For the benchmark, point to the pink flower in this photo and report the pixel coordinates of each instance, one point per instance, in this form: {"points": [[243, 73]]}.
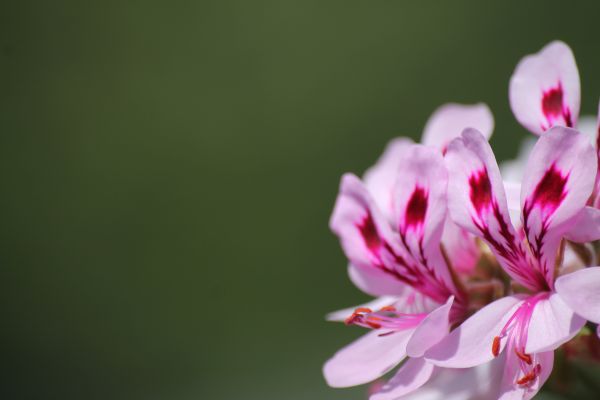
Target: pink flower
{"points": [[519, 332], [390, 228]]}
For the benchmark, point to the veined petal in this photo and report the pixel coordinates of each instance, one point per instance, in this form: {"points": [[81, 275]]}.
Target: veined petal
{"points": [[420, 197], [552, 324], [412, 375], [366, 359], [449, 120], [545, 90], [366, 237], [555, 189], [430, 331], [581, 291], [471, 343], [420, 212], [381, 177], [477, 202]]}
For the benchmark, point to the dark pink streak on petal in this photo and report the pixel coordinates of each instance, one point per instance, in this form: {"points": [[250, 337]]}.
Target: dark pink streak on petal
{"points": [[550, 191], [416, 208], [554, 108], [481, 191], [369, 233]]}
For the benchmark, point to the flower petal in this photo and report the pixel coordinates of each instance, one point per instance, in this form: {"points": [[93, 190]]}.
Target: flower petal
{"points": [[376, 282], [366, 237], [587, 227], [477, 202], [555, 189], [420, 196], [381, 177], [420, 212], [366, 359], [471, 343], [510, 390], [477, 383], [581, 291], [552, 324], [545, 90], [412, 375], [430, 331], [449, 120], [460, 247]]}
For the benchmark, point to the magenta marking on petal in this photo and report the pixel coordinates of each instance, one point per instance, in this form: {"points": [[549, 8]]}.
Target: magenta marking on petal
{"points": [[554, 108], [481, 191], [369, 233], [550, 190], [416, 208]]}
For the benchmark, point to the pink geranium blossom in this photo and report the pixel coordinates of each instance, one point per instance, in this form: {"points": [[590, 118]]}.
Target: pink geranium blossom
{"points": [[390, 228], [519, 331]]}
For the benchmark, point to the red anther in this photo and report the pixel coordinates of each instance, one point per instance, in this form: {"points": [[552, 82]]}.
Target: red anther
{"points": [[373, 325], [388, 308], [527, 378], [350, 320], [496, 346], [523, 356], [360, 310]]}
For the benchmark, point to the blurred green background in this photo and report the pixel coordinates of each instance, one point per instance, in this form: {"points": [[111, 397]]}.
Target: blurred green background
{"points": [[168, 170]]}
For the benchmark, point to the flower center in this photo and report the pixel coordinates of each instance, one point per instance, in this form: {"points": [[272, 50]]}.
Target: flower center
{"points": [[515, 331]]}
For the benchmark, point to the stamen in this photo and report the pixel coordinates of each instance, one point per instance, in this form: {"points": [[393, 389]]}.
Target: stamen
{"points": [[388, 308], [496, 346], [523, 356], [530, 376]]}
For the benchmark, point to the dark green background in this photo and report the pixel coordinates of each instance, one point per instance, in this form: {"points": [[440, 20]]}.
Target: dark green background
{"points": [[168, 170]]}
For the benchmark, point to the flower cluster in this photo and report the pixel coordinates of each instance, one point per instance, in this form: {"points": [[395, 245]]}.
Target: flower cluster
{"points": [[479, 271]]}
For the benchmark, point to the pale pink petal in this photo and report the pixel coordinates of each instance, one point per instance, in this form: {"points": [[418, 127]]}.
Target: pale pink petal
{"points": [[420, 197], [448, 122], [376, 282], [376, 304], [581, 291], [513, 196], [587, 226], [366, 359], [477, 202], [430, 331], [381, 177], [552, 324], [412, 375], [477, 383], [471, 343], [366, 237], [545, 90], [510, 390], [556, 187], [420, 212], [460, 247]]}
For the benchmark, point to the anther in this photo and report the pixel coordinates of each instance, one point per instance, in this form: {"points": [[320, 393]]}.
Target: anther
{"points": [[496, 346], [523, 356], [388, 308]]}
